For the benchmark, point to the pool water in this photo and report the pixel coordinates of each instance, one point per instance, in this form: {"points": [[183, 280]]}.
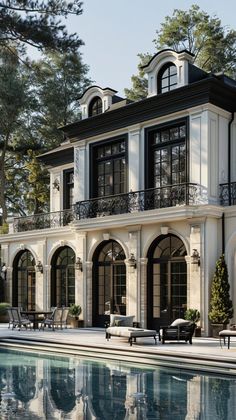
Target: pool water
{"points": [[37, 386]]}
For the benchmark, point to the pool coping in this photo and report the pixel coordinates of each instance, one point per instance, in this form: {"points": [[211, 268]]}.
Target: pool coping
{"points": [[138, 355]]}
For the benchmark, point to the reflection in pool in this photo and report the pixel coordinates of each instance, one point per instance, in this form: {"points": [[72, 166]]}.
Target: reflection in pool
{"points": [[36, 386]]}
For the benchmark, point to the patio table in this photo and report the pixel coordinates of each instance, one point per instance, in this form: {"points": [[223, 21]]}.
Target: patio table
{"points": [[35, 315]]}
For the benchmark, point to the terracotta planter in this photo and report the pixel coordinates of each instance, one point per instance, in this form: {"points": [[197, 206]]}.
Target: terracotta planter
{"points": [[74, 322]]}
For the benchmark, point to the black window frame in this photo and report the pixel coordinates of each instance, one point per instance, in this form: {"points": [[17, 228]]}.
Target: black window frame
{"points": [[93, 187], [67, 186], [95, 106], [149, 155], [170, 86]]}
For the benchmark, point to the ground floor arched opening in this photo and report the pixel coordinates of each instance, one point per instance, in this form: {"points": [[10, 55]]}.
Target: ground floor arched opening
{"points": [[166, 281], [63, 277], [23, 285], [109, 282]]}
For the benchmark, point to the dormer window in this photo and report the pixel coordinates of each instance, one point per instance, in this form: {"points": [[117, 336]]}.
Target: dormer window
{"points": [[167, 78], [95, 106]]}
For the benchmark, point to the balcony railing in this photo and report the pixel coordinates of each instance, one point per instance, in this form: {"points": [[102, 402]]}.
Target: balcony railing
{"points": [[43, 221], [228, 194], [154, 198]]}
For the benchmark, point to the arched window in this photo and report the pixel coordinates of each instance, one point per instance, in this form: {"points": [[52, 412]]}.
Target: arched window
{"points": [[24, 281], [95, 106], [63, 277], [109, 282], [167, 78], [167, 280]]}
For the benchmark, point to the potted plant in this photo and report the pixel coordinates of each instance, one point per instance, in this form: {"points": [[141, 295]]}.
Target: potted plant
{"points": [[3, 311], [194, 316], [221, 307], [75, 311]]}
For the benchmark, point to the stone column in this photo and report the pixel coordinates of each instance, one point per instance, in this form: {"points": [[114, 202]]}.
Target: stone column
{"points": [[40, 285], [134, 159], [133, 274], [143, 291], [6, 277], [80, 172], [88, 310], [47, 288], [80, 276]]}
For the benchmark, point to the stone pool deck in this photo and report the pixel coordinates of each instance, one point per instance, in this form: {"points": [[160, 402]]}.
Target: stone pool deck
{"points": [[204, 354]]}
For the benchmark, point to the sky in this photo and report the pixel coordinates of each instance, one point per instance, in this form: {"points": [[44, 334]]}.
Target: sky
{"points": [[115, 31]]}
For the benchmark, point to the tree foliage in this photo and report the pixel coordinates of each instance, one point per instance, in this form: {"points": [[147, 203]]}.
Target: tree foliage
{"points": [[221, 307], [213, 45], [38, 23], [59, 80]]}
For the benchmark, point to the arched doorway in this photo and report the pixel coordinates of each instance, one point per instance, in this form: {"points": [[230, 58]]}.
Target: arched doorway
{"points": [[167, 281], [63, 277], [109, 282], [23, 293]]}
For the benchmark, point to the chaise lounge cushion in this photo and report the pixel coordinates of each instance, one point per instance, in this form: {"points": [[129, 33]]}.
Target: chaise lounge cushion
{"points": [[121, 320], [130, 332], [179, 322]]}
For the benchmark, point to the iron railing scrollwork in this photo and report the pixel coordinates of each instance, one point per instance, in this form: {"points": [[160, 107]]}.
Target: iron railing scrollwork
{"points": [[228, 194], [136, 201], [43, 221]]}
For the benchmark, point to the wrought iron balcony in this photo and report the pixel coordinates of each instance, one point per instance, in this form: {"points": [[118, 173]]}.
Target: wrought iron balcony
{"points": [[154, 198], [43, 221], [228, 194]]}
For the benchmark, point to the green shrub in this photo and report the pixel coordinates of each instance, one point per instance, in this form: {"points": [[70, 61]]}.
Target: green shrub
{"points": [[3, 307], [221, 307], [192, 315], [75, 310]]}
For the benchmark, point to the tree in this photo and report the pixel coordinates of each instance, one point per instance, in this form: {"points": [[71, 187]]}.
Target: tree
{"points": [[213, 45], [59, 80], [38, 23], [139, 82], [14, 101], [221, 307]]}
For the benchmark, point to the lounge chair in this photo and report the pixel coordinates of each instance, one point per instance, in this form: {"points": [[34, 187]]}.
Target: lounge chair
{"points": [[123, 326], [10, 316], [18, 320], [179, 330], [64, 318], [54, 321]]}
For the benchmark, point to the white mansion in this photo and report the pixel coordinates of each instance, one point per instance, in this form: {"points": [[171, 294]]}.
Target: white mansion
{"points": [[142, 202]]}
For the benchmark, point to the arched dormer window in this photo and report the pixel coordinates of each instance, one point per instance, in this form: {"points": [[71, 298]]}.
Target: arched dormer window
{"points": [[95, 106], [167, 78]]}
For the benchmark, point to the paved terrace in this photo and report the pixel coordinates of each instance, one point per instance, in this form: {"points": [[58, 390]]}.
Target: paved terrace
{"points": [[204, 354]]}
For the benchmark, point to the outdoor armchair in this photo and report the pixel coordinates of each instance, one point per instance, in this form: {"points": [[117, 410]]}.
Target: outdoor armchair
{"points": [[55, 320], [18, 320], [179, 330]]}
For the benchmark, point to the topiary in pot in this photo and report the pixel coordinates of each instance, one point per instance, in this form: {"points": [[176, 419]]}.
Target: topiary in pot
{"points": [[3, 311], [221, 307], [192, 315], [75, 310]]}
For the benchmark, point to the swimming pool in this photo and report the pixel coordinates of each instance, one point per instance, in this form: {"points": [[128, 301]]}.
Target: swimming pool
{"points": [[37, 386]]}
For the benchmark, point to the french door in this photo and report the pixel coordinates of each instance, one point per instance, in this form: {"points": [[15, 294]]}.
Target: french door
{"points": [[167, 281], [109, 283]]}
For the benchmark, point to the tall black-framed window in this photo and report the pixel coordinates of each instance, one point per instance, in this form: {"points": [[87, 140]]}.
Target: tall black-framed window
{"points": [[68, 188], [63, 277], [109, 282], [24, 281], [95, 106], [167, 280], [167, 78], [109, 167], [167, 155]]}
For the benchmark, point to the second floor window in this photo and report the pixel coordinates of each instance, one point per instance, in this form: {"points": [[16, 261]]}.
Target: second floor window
{"points": [[167, 78], [68, 188], [167, 155], [109, 168]]}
